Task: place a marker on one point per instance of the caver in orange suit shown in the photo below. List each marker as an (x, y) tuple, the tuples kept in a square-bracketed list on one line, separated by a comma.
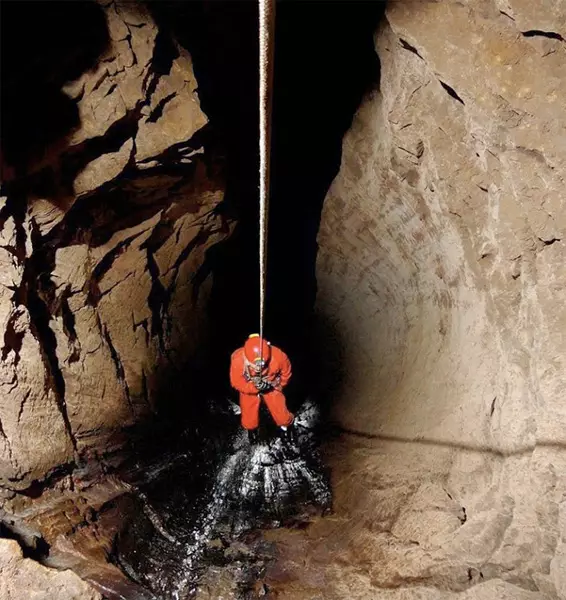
[(260, 370)]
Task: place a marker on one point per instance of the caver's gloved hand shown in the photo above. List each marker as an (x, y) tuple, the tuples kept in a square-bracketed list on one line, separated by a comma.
[(261, 384)]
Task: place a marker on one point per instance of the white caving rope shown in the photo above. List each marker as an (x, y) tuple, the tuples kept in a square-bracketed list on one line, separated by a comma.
[(266, 53)]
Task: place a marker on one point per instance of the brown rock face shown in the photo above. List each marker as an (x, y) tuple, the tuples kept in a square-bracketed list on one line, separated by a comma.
[(441, 272), (442, 286), (23, 578), (102, 233)]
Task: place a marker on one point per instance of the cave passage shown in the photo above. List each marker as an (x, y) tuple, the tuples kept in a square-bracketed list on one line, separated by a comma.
[(203, 482), (128, 275), (324, 63)]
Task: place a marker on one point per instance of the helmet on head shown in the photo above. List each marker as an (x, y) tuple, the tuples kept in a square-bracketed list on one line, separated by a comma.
[(257, 350)]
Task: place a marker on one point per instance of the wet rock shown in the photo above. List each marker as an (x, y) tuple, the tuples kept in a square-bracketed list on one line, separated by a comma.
[(204, 542)]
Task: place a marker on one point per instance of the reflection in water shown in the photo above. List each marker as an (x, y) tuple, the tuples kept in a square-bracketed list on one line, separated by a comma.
[(176, 537)]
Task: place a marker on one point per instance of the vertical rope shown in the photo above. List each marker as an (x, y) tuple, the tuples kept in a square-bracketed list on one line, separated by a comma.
[(266, 53)]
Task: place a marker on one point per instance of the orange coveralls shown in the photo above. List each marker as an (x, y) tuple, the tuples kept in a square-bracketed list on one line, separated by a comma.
[(277, 372)]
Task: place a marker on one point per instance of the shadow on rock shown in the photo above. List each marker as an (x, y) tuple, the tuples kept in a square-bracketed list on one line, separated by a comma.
[(44, 45)]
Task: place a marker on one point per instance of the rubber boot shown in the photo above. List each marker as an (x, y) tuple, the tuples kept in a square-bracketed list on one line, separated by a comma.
[(253, 436)]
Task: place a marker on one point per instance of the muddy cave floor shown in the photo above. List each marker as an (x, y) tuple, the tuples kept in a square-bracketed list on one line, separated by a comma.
[(156, 527)]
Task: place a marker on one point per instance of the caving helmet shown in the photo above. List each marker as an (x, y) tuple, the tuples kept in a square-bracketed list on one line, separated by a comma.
[(257, 351)]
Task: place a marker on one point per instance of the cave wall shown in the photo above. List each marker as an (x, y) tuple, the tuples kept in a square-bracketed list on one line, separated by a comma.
[(25, 578), (442, 287), (440, 274), (109, 199)]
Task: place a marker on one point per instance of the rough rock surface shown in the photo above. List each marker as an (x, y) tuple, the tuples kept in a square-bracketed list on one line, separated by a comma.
[(441, 285), (102, 240), (23, 578), (442, 282)]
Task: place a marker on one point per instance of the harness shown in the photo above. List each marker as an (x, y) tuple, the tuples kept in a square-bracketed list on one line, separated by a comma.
[(248, 376)]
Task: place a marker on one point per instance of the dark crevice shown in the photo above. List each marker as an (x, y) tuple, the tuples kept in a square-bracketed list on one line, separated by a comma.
[(8, 444), (23, 404), (100, 81), (78, 158), (37, 292), (117, 283), (92, 288), (547, 34), (164, 54), (199, 240), (550, 241), (12, 338), (15, 207), (121, 376), (115, 206), (58, 184), (451, 92), (94, 219), (40, 317), (410, 48), (160, 234), (68, 319), (49, 481), (171, 156), (135, 25), (157, 300), (4, 211), (134, 57), (157, 112), (35, 548), (143, 325), (111, 89), (145, 391)]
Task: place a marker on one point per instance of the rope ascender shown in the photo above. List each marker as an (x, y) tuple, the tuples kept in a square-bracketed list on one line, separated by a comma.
[(266, 54)]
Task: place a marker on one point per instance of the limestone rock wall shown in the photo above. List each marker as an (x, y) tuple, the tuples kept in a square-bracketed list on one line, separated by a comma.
[(23, 578), (442, 275), (102, 243)]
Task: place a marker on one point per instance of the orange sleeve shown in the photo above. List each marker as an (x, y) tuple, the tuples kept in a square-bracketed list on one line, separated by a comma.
[(237, 379), (284, 367)]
